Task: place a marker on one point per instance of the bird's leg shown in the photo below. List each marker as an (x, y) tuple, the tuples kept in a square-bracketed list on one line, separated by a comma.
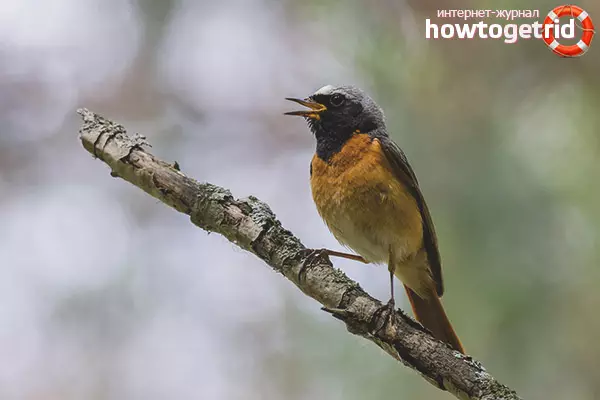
[(389, 310), (391, 269), (348, 256)]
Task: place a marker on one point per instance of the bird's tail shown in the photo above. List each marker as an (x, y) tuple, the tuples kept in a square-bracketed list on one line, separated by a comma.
[(430, 313)]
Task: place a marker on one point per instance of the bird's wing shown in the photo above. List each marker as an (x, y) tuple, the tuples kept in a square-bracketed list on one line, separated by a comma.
[(403, 171)]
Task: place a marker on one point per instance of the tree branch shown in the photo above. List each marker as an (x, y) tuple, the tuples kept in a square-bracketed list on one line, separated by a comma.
[(251, 225)]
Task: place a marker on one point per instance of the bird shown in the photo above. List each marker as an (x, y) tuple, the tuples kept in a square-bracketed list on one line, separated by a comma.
[(368, 196)]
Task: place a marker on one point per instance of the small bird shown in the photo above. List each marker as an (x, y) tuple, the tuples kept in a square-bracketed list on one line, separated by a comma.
[(368, 195)]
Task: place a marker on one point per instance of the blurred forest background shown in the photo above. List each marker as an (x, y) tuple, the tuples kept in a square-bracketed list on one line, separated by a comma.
[(107, 294)]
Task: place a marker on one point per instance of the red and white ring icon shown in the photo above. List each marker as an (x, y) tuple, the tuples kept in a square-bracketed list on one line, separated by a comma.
[(580, 47)]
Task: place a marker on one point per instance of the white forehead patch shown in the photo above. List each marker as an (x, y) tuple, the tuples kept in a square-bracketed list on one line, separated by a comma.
[(325, 90)]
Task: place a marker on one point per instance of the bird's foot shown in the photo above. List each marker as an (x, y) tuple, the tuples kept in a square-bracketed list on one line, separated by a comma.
[(384, 316), (311, 258)]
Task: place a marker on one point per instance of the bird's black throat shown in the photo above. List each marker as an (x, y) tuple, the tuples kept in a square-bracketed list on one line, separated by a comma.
[(329, 142)]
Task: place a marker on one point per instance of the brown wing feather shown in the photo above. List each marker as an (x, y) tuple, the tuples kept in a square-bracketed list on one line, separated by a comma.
[(405, 173)]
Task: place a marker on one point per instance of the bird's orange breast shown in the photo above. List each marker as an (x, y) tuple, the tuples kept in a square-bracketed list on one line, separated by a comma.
[(362, 202)]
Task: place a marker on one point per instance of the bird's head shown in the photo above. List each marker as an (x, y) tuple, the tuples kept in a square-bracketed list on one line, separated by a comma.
[(340, 111)]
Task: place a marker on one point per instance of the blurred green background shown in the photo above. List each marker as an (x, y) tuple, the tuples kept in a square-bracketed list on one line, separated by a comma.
[(107, 294)]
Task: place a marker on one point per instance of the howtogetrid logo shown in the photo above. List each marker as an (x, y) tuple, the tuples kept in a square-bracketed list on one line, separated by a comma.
[(579, 27)]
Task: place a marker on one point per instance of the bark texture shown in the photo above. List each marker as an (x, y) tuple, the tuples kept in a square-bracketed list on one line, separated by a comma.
[(251, 225)]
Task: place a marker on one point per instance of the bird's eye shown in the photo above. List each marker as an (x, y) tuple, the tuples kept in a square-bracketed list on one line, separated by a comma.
[(337, 100)]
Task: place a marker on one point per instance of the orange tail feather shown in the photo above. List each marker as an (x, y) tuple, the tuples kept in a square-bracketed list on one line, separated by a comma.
[(430, 313)]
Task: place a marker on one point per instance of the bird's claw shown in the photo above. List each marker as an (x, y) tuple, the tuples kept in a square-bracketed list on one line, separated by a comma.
[(309, 261), (385, 315)]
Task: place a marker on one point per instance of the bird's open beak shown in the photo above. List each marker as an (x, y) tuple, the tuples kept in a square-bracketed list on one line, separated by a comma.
[(315, 108)]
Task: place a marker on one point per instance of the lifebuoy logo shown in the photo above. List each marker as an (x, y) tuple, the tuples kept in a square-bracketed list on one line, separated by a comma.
[(587, 29), (579, 27)]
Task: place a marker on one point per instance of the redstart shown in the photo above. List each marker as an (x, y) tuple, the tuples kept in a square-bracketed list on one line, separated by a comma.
[(368, 195)]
